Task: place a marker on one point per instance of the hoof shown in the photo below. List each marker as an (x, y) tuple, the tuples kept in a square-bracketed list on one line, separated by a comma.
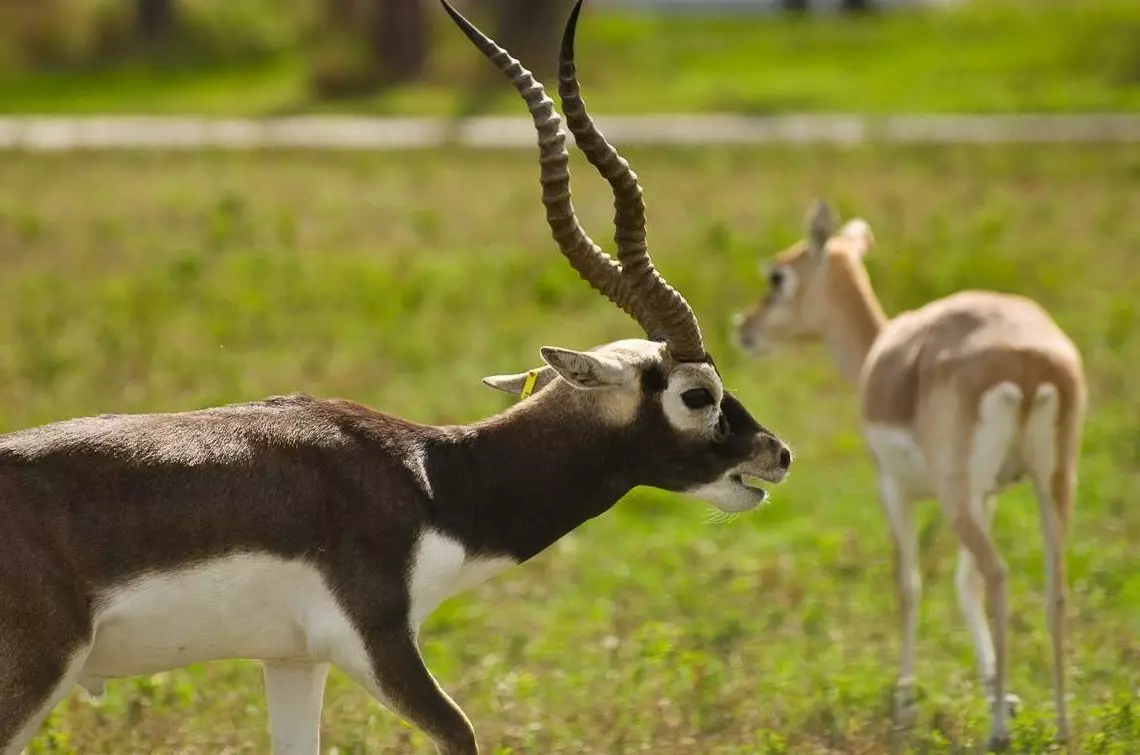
[(1012, 704), (997, 743), (905, 709)]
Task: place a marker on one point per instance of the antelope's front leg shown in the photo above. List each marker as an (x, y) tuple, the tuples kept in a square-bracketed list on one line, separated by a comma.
[(908, 585), (294, 691), (395, 675)]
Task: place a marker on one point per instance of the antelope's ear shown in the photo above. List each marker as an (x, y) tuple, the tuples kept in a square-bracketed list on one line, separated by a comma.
[(859, 231), (514, 384), (583, 369), (821, 222)]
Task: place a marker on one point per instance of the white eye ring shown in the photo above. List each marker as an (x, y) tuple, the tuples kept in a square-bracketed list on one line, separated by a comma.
[(780, 279)]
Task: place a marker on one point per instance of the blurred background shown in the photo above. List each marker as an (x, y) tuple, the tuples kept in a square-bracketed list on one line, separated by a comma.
[(266, 57), (989, 143)]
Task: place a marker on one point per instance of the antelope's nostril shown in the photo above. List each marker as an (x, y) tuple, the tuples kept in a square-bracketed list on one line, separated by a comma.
[(785, 458)]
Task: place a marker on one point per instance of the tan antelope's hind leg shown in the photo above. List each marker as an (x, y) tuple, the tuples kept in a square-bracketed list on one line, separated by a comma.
[(908, 588), (970, 585), (1054, 482), (965, 486), (973, 532), (1055, 590), (294, 691)]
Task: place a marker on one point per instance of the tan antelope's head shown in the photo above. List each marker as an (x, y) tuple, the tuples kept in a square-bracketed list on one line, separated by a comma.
[(803, 282)]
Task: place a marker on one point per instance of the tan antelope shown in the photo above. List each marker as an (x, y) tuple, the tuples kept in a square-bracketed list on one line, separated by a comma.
[(304, 532), (959, 399)]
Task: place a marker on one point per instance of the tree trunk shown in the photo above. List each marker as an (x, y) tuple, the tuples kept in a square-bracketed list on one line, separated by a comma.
[(399, 38), (532, 30), (154, 19)]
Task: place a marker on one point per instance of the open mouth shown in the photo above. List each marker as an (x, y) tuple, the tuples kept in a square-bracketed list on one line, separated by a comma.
[(752, 482)]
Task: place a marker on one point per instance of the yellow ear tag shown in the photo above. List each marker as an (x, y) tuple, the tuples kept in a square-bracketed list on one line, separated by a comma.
[(528, 386)]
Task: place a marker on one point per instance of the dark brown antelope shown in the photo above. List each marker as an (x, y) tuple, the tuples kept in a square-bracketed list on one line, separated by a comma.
[(960, 399), (304, 532)]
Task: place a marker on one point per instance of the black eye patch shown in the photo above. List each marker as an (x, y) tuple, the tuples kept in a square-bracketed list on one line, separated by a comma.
[(776, 278), (697, 398)]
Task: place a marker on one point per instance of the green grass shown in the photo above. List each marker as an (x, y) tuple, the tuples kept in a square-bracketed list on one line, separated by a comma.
[(139, 282), (988, 57)]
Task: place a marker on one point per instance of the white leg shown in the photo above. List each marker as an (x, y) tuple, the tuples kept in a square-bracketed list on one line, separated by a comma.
[(908, 585), (971, 588), (294, 691)]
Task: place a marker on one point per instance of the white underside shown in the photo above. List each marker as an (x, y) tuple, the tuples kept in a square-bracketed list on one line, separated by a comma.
[(251, 606), (254, 606), (240, 606)]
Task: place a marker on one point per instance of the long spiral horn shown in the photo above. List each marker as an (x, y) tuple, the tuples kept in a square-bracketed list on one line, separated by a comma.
[(596, 267), (668, 311)]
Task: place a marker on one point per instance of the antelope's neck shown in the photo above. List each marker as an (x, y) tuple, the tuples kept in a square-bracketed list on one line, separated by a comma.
[(521, 480), (854, 316)]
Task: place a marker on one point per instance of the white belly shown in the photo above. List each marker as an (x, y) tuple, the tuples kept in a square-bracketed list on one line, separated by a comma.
[(242, 606), (254, 606)]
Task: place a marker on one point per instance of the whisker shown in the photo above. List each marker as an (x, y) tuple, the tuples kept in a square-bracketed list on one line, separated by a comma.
[(718, 517)]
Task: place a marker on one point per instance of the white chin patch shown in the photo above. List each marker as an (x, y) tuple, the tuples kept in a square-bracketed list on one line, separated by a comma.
[(732, 493)]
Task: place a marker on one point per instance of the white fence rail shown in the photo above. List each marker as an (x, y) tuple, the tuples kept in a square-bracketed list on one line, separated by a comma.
[(378, 133)]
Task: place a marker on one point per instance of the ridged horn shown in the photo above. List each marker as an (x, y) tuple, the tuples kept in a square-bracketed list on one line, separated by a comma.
[(596, 267), (669, 313)]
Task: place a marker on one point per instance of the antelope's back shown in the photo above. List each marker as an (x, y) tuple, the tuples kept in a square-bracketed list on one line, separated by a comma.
[(119, 494)]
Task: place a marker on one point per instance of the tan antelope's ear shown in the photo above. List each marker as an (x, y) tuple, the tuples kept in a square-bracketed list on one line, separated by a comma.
[(821, 223), (859, 231), (514, 384), (583, 369)]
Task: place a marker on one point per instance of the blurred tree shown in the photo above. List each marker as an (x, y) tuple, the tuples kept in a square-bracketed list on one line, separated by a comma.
[(799, 6), (531, 30), (154, 19), (398, 33), (366, 45)]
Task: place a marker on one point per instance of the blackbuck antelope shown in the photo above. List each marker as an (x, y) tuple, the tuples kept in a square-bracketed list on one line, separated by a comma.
[(959, 399), (303, 532)]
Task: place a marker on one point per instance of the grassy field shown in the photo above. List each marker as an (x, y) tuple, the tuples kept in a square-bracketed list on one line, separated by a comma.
[(165, 282), (986, 56)]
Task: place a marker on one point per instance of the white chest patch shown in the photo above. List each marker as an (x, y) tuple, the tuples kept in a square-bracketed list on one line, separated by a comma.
[(900, 458), (242, 606), (439, 569)]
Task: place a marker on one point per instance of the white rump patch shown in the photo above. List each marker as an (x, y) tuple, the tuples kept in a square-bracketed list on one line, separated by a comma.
[(439, 569), (1041, 432), (994, 459)]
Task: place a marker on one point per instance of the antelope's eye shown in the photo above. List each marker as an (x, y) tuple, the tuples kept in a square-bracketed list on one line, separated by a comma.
[(775, 278), (697, 398)]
